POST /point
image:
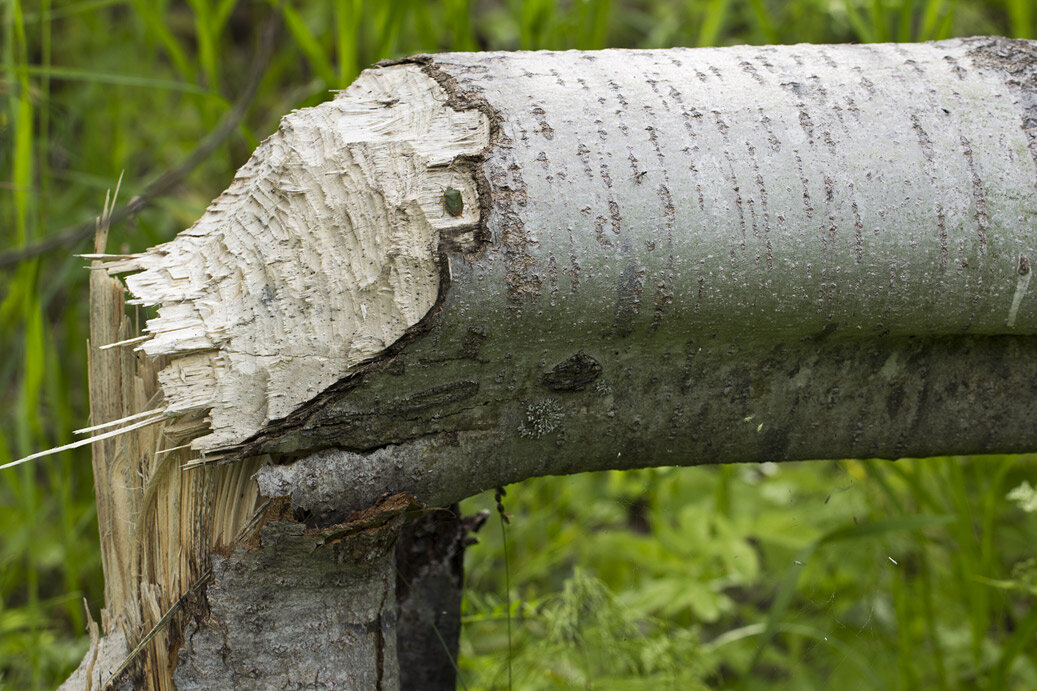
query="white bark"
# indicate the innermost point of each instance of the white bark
(664, 257)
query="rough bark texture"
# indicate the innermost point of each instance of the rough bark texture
(658, 257)
(429, 582)
(308, 608)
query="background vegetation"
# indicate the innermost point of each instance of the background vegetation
(845, 575)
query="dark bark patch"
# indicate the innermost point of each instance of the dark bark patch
(979, 195)
(775, 443)
(750, 69)
(472, 343)
(824, 334)
(376, 525)
(546, 131)
(941, 225)
(436, 396)
(628, 299)
(573, 374)
(509, 192)
(429, 578)
(895, 400)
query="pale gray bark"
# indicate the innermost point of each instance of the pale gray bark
(632, 206)
(664, 258)
(706, 256)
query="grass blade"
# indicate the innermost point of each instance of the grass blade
(855, 532)
(713, 22)
(308, 44)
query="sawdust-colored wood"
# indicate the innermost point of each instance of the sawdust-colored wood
(158, 522)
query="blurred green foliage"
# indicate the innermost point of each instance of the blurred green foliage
(859, 574)
(856, 574)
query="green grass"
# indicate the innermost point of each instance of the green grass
(91, 89)
(916, 574)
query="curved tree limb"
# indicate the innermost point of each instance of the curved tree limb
(471, 269)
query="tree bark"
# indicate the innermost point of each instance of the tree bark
(658, 258)
(305, 609)
(664, 257)
(429, 582)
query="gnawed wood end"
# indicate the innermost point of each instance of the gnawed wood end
(321, 253)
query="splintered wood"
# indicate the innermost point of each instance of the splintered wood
(321, 253)
(158, 525)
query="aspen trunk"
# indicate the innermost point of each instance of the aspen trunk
(658, 258)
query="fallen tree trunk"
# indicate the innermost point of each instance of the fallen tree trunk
(471, 269)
